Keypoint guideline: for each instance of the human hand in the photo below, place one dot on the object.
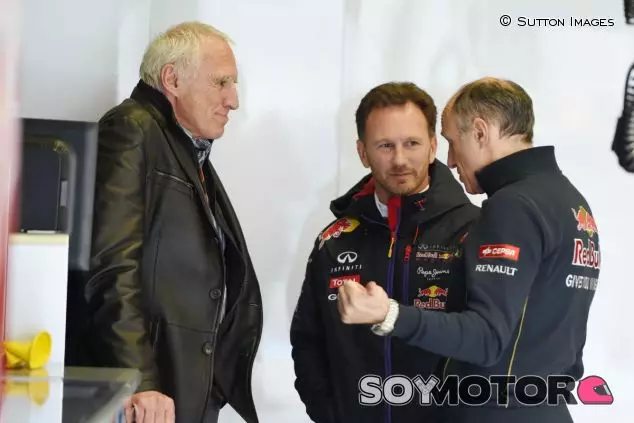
(149, 407)
(358, 304)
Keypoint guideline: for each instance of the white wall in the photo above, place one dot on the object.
(290, 148)
(279, 160)
(68, 58)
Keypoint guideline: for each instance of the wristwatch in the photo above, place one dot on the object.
(387, 326)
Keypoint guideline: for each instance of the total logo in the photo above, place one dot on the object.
(338, 281)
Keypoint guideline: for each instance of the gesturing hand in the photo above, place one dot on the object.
(358, 304)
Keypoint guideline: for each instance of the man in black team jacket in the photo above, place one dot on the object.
(531, 262)
(401, 226)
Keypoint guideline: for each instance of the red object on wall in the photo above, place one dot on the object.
(9, 140)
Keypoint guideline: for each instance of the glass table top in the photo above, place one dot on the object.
(65, 395)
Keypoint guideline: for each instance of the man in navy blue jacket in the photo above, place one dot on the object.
(531, 262)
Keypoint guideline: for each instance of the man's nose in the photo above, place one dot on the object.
(231, 100)
(399, 159)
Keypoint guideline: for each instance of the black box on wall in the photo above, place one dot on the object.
(59, 161)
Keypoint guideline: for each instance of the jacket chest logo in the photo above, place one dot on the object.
(347, 262)
(431, 252)
(344, 225)
(432, 298)
(432, 274)
(346, 268)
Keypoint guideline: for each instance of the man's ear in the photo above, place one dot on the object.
(433, 150)
(481, 132)
(169, 79)
(363, 154)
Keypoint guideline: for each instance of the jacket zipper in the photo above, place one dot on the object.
(408, 252)
(392, 253)
(387, 345)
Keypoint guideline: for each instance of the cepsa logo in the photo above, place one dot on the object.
(502, 251)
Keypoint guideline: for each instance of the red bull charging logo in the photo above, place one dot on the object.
(585, 221)
(336, 229)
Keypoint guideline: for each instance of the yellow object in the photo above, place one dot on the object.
(33, 354)
(33, 384)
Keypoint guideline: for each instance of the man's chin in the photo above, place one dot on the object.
(215, 134)
(401, 190)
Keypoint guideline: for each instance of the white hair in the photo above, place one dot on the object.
(179, 45)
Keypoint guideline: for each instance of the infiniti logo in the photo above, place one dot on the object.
(347, 257)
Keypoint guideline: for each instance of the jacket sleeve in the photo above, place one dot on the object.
(502, 256)
(309, 350)
(113, 290)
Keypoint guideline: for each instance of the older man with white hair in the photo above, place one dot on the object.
(172, 290)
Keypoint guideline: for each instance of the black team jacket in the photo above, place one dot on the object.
(414, 255)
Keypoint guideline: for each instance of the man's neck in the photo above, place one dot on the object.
(507, 146)
(383, 207)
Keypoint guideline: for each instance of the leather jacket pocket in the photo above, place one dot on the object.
(175, 182)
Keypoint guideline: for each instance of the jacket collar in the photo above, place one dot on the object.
(444, 194)
(147, 94)
(180, 143)
(517, 166)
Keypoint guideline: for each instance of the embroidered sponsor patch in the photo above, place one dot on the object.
(585, 221)
(432, 274)
(335, 230)
(499, 251)
(496, 268)
(586, 256)
(429, 298)
(339, 280)
(434, 255)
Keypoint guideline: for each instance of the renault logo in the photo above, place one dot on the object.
(347, 257)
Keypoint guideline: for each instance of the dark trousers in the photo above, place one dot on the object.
(211, 413)
(214, 403)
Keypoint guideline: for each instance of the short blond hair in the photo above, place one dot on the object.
(179, 45)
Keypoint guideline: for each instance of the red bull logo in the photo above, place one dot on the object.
(432, 293)
(585, 221)
(435, 255)
(337, 228)
(586, 256)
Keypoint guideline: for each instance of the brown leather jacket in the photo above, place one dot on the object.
(157, 271)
